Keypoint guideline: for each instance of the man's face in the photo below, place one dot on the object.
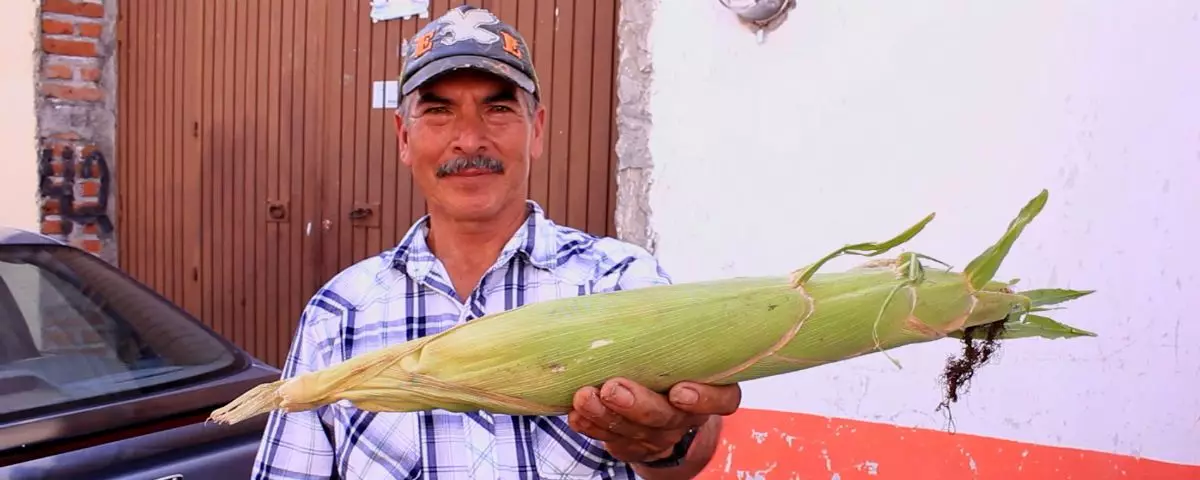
(469, 143)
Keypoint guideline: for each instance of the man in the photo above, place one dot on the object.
(469, 125)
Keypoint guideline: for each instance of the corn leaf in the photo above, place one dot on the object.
(530, 360)
(1029, 326)
(983, 268)
(1054, 296)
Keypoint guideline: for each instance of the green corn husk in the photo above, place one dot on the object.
(532, 359)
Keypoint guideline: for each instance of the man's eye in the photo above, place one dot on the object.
(501, 108)
(437, 110)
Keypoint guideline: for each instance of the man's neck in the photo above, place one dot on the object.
(468, 248)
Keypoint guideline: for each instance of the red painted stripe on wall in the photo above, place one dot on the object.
(768, 444)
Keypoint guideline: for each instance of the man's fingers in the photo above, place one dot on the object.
(620, 446)
(582, 425)
(703, 399)
(635, 422)
(588, 404)
(640, 405)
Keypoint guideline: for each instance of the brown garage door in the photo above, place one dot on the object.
(249, 130)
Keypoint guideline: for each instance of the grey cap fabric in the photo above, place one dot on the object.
(468, 37)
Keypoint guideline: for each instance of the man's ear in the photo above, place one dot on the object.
(539, 129)
(402, 138)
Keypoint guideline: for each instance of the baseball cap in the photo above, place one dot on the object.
(467, 37)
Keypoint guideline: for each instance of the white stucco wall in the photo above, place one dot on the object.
(18, 122)
(855, 119)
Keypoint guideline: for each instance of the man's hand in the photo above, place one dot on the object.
(638, 425)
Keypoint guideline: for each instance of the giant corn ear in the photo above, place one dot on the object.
(532, 359)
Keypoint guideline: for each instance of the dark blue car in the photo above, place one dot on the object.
(102, 378)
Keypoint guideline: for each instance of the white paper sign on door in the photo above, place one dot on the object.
(393, 9)
(385, 94)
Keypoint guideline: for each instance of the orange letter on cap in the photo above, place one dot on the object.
(424, 43)
(511, 45)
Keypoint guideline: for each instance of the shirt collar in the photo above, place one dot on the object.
(537, 240)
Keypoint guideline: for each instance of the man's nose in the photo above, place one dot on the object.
(472, 139)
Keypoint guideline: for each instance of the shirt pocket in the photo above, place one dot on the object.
(369, 444)
(562, 453)
(542, 285)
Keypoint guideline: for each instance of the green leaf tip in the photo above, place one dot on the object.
(983, 268)
(866, 249)
(1032, 326)
(1053, 296)
(1042, 327)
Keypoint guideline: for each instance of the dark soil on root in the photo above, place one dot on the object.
(976, 353)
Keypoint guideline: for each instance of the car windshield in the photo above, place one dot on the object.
(75, 331)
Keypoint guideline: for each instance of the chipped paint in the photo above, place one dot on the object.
(787, 438)
(601, 343)
(728, 454)
(757, 474)
(872, 468)
(795, 446)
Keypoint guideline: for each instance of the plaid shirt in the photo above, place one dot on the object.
(403, 294)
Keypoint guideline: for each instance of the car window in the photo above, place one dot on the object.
(74, 332)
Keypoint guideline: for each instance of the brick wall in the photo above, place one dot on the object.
(76, 120)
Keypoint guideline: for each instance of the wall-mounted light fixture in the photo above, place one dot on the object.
(760, 15)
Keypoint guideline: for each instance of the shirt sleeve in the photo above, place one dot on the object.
(297, 445)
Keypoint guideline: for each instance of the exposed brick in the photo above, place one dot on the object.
(58, 323)
(99, 323)
(91, 29)
(75, 48)
(91, 245)
(74, 7)
(57, 27)
(91, 74)
(73, 87)
(55, 337)
(89, 336)
(59, 71)
(90, 188)
(82, 173)
(52, 227)
(83, 205)
(69, 92)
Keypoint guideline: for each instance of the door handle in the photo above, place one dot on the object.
(277, 211)
(365, 214)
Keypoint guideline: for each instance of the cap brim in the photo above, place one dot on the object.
(458, 62)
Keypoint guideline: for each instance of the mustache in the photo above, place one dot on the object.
(459, 164)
